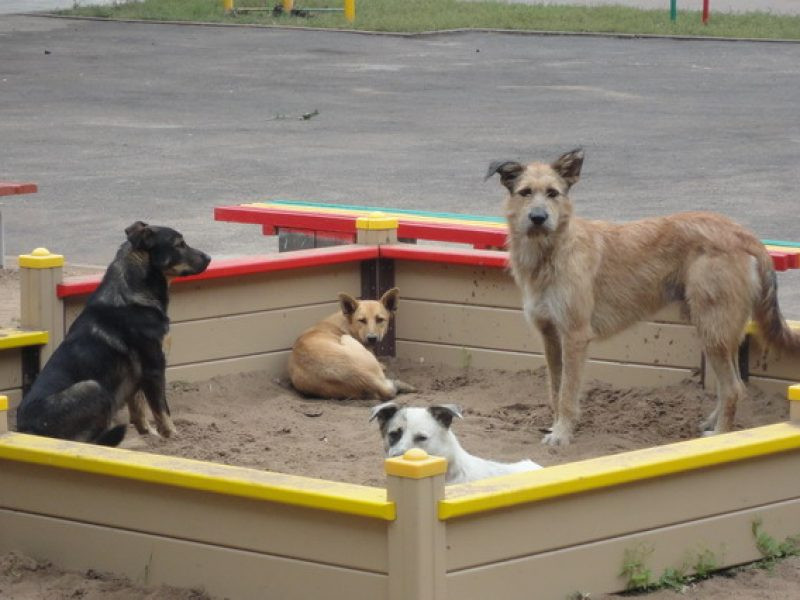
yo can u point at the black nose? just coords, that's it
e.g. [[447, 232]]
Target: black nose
[[371, 338], [537, 216]]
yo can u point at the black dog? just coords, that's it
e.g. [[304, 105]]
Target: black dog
[[113, 349]]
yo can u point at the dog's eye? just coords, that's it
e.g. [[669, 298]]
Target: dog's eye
[[525, 192], [552, 193], [418, 439], [362, 321], [379, 319], [394, 436], [180, 244]]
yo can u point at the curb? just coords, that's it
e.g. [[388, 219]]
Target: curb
[[442, 32]]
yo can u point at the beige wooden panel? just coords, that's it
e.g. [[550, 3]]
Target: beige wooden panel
[[273, 363], [504, 329], [157, 560], [613, 373], [11, 368], [242, 335], [594, 568], [185, 514], [251, 293], [772, 386], [583, 518], [462, 284], [769, 362], [267, 291]]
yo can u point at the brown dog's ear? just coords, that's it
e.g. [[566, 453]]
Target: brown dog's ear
[[569, 166], [389, 299], [138, 233], [383, 412], [509, 170], [348, 304], [444, 413]]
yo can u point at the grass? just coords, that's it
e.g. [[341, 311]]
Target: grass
[[412, 16]]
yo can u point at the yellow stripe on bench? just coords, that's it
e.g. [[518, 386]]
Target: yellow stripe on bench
[[583, 476], [193, 474], [17, 338]]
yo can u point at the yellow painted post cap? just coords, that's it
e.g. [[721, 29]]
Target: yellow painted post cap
[[376, 220], [41, 258], [793, 392], [3, 403], [415, 464]]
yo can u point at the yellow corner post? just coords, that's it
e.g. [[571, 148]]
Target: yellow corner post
[[793, 394], [288, 6], [350, 10], [3, 414], [227, 6]]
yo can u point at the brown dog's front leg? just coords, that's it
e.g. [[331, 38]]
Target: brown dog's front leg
[[574, 347], [552, 355]]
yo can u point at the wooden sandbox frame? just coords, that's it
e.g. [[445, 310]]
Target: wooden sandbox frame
[[244, 533]]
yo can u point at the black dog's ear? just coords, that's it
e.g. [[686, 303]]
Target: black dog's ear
[[383, 412], [138, 233], [444, 413], [389, 299], [569, 166], [348, 304], [509, 170]]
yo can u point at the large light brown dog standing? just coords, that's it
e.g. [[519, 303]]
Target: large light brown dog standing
[[583, 280], [331, 360]]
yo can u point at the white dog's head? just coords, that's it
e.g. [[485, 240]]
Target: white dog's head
[[415, 427]]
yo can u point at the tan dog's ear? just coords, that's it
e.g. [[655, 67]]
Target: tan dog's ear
[[569, 166], [509, 170], [348, 304], [389, 299]]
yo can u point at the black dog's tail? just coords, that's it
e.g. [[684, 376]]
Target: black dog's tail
[[112, 437]]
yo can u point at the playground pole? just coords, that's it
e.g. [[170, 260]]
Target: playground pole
[[673, 10], [706, 10], [350, 10]]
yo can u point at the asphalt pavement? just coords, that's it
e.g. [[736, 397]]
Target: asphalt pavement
[[118, 122]]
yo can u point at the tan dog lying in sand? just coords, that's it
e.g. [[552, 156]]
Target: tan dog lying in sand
[[585, 280], [331, 360]]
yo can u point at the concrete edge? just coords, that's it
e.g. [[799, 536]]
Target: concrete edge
[[443, 32]]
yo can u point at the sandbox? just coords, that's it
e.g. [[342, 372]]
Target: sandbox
[[246, 533]]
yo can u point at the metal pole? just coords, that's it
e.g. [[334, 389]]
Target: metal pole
[[350, 10], [706, 10], [673, 10]]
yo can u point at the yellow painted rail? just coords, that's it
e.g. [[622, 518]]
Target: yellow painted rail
[[16, 338], [307, 492], [586, 475]]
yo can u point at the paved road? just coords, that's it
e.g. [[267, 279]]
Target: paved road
[[120, 122]]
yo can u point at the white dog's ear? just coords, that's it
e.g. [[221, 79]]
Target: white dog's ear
[[509, 170], [569, 166], [444, 413], [389, 299], [348, 304], [383, 412]]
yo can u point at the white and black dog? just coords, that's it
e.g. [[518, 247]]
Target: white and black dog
[[403, 428]]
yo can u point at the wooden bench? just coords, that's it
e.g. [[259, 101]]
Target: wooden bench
[[11, 188], [301, 225]]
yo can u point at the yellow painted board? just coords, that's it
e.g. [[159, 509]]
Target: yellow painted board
[[752, 328], [193, 474], [793, 392], [598, 473], [17, 338]]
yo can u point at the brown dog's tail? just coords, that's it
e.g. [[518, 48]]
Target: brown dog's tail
[[767, 314]]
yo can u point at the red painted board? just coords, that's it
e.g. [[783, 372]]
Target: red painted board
[[235, 267], [780, 261], [455, 256], [10, 188]]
